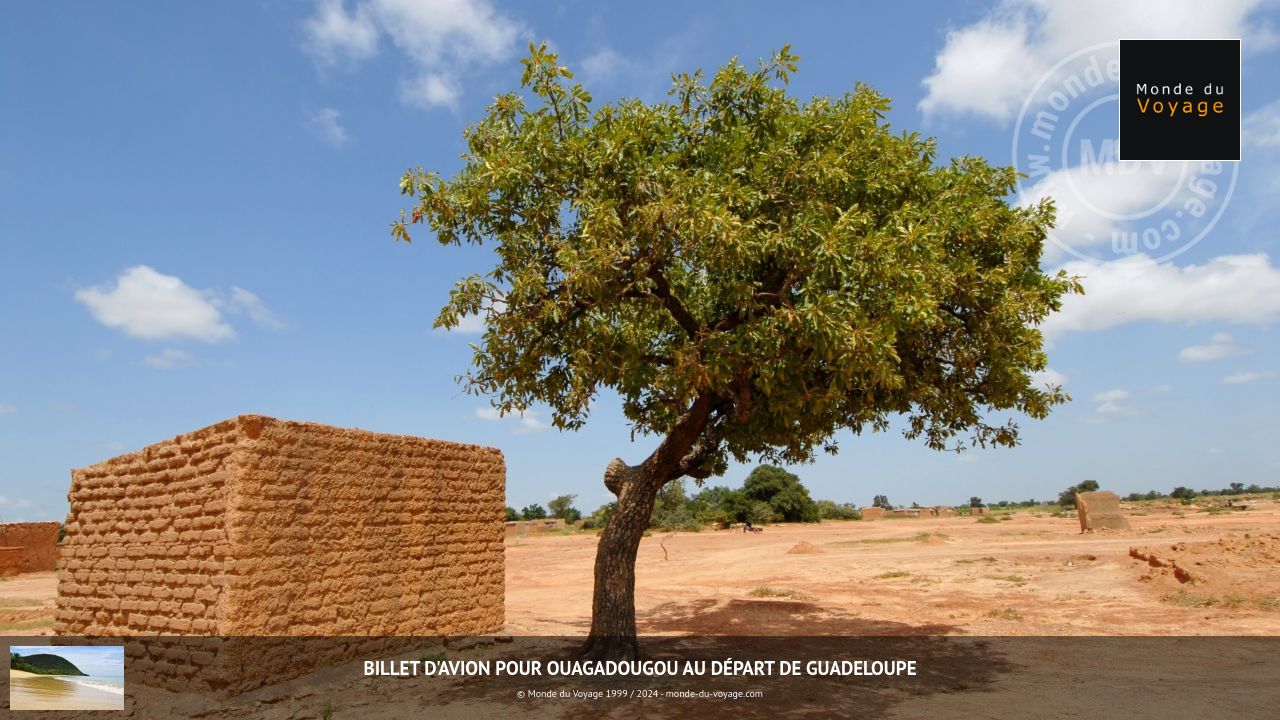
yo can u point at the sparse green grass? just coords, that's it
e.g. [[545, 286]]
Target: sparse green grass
[[771, 592], [1005, 517], [924, 580], [1005, 614], [892, 574], [987, 519], [326, 710], [438, 657], [1271, 603], [967, 561], [15, 603], [1182, 598], [33, 624], [920, 537], [1015, 579]]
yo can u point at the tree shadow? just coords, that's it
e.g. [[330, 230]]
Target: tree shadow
[[748, 630], [772, 617]]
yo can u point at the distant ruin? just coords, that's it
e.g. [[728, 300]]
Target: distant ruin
[[872, 513], [256, 526], [37, 543], [1100, 510]]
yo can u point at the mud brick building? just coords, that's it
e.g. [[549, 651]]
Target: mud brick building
[[38, 542], [256, 526]]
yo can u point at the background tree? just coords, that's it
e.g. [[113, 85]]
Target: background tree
[[748, 271], [783, 492], [533, 512], [512, 514], [882, 501], [562, 507], [1067, 498], [975, 502]]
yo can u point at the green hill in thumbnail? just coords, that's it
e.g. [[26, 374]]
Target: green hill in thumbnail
[[43, 664]]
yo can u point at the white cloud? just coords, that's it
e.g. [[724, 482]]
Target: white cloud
[[6, 409], [168, 359], [243, 301], [1241, 378], [988, 68], [334, 35], [527, 421], [1110, 404], [1220, 346], [152, 306], [1047, 379], [469, 325], [1238, 289], [431, 90], [603, 65], [324, 124], [442, 39], [1122, 189], [1216, 451], [1261, 128]]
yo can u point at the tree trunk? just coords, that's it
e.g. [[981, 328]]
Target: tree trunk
[[613, 607]]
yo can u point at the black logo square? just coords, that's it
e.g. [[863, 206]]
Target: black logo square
[[1179, 99]]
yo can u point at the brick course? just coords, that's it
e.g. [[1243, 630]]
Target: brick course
[[256, 526], [39, 543]]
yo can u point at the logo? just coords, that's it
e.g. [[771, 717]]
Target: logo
[[1067, 145]]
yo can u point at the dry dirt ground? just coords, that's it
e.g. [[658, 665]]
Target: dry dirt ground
[[1024, 576], [1178, 571]]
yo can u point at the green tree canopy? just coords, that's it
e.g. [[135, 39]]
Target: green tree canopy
[[533, 512], [562, 507], [784, 493], [747, 270]]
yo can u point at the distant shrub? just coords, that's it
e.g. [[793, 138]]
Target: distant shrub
[[831, 510]]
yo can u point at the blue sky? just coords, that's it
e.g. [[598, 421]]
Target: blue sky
[[195, 199], [91, 659]]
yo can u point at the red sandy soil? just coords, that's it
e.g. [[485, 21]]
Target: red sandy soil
[[1024, 576], [1030, 575]]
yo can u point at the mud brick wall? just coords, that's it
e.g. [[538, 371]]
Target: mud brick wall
[[39, 543], [10, 561], [256, 526]]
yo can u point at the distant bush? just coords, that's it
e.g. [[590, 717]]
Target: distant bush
[[598, 519], [830, 510]]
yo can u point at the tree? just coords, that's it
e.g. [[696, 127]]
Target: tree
[[512, 514], [882, 501], [747, 271], [788, 498], [1183, 493], [562, 507], [533, 512], [831, 510], [1067, 498], [975, 502]]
